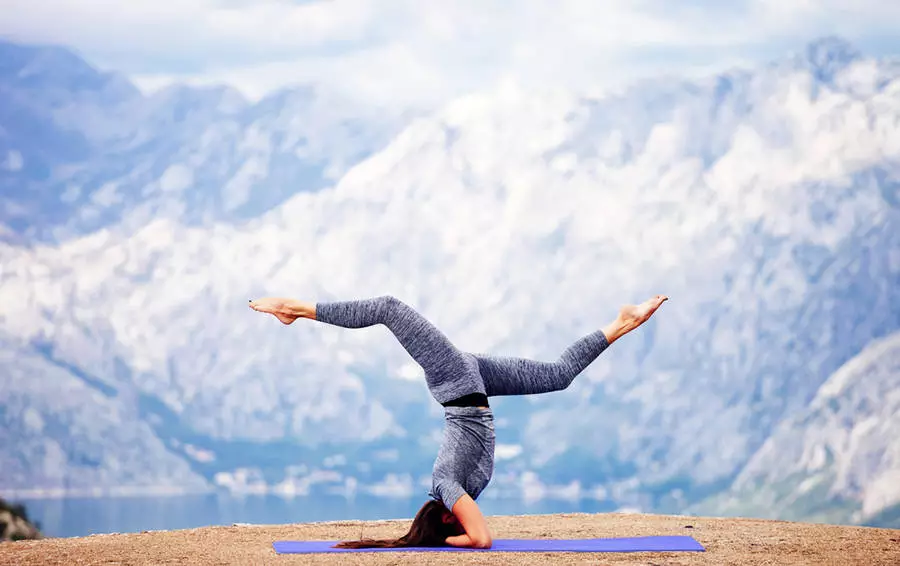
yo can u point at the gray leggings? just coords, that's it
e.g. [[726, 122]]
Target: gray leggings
[[451, 373]]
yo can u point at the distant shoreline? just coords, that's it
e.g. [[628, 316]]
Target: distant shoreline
[[62, 493]]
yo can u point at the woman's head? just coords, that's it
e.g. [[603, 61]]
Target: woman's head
[[431, 527]]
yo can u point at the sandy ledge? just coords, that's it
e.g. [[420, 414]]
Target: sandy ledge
[[728, 541]]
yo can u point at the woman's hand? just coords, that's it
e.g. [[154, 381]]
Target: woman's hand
[[469, 515]]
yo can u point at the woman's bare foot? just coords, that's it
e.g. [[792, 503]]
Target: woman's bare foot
[[632, 316], [285, 310]]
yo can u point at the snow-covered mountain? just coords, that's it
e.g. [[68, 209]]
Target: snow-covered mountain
[[63, 435], [838, 459], [764, 202], [81, 149]]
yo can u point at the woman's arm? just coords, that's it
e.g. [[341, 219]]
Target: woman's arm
[[469, 515], [463, 541]]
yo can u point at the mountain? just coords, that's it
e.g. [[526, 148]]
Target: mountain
[[765, 202], [82, 150], [837, 460], [63, 433]]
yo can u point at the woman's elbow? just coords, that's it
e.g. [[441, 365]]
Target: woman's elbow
[[482, 542]]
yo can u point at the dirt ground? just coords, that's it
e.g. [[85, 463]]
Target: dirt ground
[[727, 542]]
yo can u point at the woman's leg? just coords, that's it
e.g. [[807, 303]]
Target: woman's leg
[[519, 376], [427, 345], [449, 372]]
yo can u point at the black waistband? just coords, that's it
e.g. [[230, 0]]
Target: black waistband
[[470, 400]]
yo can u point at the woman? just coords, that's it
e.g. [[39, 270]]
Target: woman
[[462, 383]]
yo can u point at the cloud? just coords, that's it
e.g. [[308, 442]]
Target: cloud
[[418, 51]]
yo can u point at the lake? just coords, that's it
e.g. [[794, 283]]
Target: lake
[[83, 516]]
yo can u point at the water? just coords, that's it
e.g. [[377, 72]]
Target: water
[[84, 516]]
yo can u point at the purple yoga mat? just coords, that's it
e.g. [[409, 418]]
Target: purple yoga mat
[[637, 544]]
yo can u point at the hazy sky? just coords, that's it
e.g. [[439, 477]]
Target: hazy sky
[[424, 51]]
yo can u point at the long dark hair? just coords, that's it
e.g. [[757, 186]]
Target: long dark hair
[[431, 527]]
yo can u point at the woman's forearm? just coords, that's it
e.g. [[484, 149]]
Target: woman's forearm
[[465, 541], [462, 541]]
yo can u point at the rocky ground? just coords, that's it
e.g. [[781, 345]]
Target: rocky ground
[[727, 541]]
